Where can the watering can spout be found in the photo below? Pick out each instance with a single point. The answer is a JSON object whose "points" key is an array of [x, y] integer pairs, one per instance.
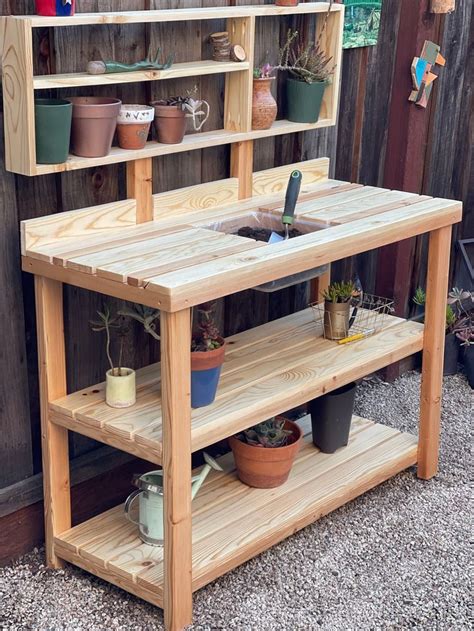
{"points": [[210, 464]]}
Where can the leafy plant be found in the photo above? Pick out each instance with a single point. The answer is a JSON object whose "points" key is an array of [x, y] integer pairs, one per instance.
{"points": [[420, 297], [264, 71], [460, 305], [108, 323], [340, 292], [207, 337], [270, 434], [147, 316]]}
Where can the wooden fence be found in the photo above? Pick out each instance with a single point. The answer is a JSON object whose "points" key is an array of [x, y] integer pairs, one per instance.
{"points": [[380, 140]]}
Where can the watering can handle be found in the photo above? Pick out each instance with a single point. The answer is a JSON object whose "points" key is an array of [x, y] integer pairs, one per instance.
{"points": [[128, 505]]}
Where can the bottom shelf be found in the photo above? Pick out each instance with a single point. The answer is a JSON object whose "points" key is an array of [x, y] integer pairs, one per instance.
{"points": [[233, 522]]}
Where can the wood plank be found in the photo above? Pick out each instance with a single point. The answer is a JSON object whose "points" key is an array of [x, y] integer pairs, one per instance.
{"points": [[329, 188], [241, 167], [140, 188], [343, 200], [275, 180], [331, 42], [238, 87]]}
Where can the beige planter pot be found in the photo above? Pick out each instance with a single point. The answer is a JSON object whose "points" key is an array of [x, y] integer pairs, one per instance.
{"points": [[336, 320], [120, 391]]}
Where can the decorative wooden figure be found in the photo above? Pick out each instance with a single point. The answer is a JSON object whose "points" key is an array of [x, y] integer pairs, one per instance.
{"points": [[421, 73]]}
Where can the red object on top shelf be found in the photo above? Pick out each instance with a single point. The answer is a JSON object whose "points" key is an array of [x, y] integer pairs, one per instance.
{"points": [[55, 7]]}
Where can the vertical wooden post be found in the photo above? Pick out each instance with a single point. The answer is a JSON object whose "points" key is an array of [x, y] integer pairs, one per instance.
{"points": [[52, 375], [241, 166], [433, 351], [176, 405], [318, 285], [140, 187]]}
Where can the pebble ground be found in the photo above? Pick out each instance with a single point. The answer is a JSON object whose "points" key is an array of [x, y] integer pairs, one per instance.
{"points": [[396, 558]]}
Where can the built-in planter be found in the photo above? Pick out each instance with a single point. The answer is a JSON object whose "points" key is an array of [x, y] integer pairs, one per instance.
{"points": [[303, 100], [264, 106], [53, 130], [205, 374], [133, 125], [266, 467], [331, 417], [55, 7], [94, 120], [170, 123], [120, 388]]}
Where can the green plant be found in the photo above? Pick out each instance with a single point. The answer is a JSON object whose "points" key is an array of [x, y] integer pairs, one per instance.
{"points": [[270, 434], [108, 323], [207, 337], [147, 316], [264, 71], [420, 297], [459, 306], [340, 292]]}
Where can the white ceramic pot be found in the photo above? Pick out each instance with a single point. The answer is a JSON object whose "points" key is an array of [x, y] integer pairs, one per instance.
{"points": [[133, 125], [120, 391], [135, 114]]}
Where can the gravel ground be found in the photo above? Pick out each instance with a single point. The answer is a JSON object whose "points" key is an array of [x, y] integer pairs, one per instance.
{"points": [[395, 558]]}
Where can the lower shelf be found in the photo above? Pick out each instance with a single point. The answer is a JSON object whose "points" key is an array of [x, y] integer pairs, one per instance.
{"points": [[233, 522]]}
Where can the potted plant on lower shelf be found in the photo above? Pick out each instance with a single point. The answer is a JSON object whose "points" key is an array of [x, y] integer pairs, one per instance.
{"points": [[331, 416], [120, 388], [337, 306], [171, 115], [207, 357], [264, 454]]}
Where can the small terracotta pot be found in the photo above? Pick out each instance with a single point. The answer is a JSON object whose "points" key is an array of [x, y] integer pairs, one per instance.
{"points": [[94, 120], [170, 123], [286, 3], [264, 467], [133, 125], [264, 106]]}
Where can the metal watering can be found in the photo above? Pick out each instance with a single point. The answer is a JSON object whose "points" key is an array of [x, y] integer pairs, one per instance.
{"points": [[150, 501]]}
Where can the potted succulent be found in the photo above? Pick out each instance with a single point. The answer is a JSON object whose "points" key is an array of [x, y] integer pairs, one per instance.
{"points": [[309, 72], [94, 120], [133, 125], [207, 357], [331, 417], [264, 106], [120, 389], [52, 130], [55, 7], [264, 454], [337, 304], [171, 115]]}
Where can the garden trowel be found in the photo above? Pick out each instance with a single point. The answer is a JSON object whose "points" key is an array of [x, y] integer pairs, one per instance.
{"points": [[291, 197]]}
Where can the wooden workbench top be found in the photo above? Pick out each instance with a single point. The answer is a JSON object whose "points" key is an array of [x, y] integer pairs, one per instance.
{"points": [[174, 263]]}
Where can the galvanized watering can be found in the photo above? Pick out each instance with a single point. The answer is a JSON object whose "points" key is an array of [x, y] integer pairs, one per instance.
{"points": [[150, 501]]}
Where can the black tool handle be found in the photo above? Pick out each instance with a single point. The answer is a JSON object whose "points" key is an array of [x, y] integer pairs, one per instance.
{"points": [[291, 197]]}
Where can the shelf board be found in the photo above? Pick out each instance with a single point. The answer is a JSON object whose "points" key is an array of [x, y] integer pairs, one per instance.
{"points": [[191, 142], [233, 522], [187, 69], [267, 370], [176, 15]]}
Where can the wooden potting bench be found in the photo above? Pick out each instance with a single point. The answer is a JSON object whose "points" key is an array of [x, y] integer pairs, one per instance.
{"points": [[162, 251]]}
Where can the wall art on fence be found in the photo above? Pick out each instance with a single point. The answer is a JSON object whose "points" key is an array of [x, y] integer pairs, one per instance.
{"points": [[361, 23], [421, 73]]}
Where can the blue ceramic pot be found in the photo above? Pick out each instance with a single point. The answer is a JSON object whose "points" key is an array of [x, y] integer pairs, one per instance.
{"points": [[205, 373]]}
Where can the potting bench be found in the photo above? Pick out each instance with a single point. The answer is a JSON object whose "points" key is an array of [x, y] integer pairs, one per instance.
{"points": [[163, 251]]}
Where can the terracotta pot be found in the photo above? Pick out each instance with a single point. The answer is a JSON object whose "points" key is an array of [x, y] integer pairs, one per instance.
{"points": [[94, 120], [265, 467], [55, 7], [205, 374], [170, 123], [286, 3], [264, 106], [133, 125]]}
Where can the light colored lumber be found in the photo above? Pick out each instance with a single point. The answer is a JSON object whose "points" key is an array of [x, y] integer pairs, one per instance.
{"points": [[442, 6], [52, 378], [193, 198], [176, 400], [276, 180], [327, 189], [186, 69], [140, 187], [238, 88], [433, 351], [331, 43], [241, 167], [319, 285], [18, 98]]}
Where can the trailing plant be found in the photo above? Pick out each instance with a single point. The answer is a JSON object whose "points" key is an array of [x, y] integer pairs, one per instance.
{"points": [[109, 323], [270, 434], [340, 292], [207, 337], [147, 316]]}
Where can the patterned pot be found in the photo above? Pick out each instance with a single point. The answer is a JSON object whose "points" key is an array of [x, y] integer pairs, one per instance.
{"points": [[133, 125], [264, 106], [55, 7]]}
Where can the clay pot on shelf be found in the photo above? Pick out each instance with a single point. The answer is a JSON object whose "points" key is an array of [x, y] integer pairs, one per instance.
{"points": [[52, 130], [120, 389], [133, 125], [264, 106], [205, 374], [55, 7], [94, 120], [331, 417], [170, 123], [303, 100], [265, 467], [286, 3]]}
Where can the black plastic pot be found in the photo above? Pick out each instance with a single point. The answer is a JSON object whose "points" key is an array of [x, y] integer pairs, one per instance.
{"points": [[468, 361], [451, 355], [331, 417]]}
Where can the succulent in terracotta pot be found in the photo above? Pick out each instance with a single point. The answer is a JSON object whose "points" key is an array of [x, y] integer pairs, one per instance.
{"points": [[171, 115], [133, 125]]}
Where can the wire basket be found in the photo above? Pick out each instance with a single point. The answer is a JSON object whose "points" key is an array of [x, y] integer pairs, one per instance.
{"points": [[349, 322]]}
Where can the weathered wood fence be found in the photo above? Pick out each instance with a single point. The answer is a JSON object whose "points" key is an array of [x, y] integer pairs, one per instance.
{"points": [[380, 140]]}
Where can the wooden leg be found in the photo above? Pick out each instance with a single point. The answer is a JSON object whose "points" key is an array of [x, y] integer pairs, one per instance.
{"points": [[140, 187], [433, 351], [52, 375], [241, 166], [318, 285], [176, 402]]}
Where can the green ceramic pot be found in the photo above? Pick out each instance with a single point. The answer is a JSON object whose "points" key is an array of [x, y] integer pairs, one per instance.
{"points": [[303, 100], [53, 130]]}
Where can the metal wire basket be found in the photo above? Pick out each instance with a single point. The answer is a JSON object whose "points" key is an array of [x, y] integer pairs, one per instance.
{"points": [[354, 321]]}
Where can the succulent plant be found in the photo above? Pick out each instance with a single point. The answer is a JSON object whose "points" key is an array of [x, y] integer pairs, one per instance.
{"points": [[340, 292], [207, 337], [270, 434]]}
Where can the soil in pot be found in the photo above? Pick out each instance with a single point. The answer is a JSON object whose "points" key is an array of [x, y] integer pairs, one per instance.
{"points": [[170, 123], [331, 417], [262, 467], [206, 369], [264, 106], [263, 234], [55, 7], [133, 125], [120, 389], [94, 120], [304, 100], [53, 130], [451, 354]]}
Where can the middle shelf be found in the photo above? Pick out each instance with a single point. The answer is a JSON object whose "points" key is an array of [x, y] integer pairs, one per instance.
{"points": [[267, 370]]}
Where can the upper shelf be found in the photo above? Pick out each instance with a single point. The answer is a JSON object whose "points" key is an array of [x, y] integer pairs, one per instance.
{"points": [[177, 15]]}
